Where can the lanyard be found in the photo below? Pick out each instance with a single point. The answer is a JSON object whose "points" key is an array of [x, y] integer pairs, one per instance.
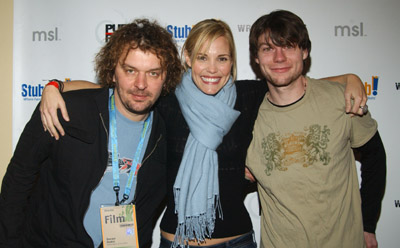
{"points": [[114, 154]]}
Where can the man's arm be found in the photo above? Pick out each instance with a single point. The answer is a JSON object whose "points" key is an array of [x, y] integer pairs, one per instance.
{"points": [[372, 157], [20, 179]]}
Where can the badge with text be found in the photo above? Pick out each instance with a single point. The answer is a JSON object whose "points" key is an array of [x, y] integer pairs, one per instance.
{"points": [[118, 225]]}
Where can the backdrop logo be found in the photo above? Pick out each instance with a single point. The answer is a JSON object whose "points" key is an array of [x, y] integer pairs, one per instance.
{"points": [[31, 92], [244, 28], [49, 35], [397, 203], [372, 89], [350, 31], [179, 33], [397, 84], [110, 29]]}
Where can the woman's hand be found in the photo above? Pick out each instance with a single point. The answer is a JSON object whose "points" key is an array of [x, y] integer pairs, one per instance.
{"points": [[355, 91], [51, 101], [248, 175]]}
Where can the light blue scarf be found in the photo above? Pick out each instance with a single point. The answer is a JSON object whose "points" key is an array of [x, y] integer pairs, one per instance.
{"points": [[196, 188]]}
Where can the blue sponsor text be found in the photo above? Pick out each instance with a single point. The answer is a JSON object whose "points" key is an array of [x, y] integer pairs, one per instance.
{"points": [[31, 90]]}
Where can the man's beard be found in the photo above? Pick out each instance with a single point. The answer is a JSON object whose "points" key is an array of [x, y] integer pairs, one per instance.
{"points": [[127, 104], [285, 83], [143, 111]]}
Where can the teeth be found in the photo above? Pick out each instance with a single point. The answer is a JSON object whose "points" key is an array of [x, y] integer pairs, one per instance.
{"points": [[210, 80]]}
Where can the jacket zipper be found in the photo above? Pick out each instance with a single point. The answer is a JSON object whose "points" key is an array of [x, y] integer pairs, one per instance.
{"points": [[105, 129], [144, 160], [91, 192]]}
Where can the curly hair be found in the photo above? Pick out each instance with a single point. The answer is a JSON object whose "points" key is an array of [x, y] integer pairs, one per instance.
{"points": [[283, 28], [209, 30], [148, 37]]}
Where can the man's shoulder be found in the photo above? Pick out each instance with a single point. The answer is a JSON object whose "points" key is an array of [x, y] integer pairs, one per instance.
{"points": [[251, 88], [325, 85], [167, 99], [86, 98], [251, 83], [84, 94], [84, 107], [87, 102], [158, 119], [168, 106]]}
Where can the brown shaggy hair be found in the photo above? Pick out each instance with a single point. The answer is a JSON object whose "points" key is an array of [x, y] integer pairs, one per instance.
{"points": [[148, 37], [283, 28]]}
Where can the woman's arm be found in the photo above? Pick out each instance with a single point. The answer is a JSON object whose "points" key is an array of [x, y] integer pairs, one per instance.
{"points": [[52, 100], [355, 91]]}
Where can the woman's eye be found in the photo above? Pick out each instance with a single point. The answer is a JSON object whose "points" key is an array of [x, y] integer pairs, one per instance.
{"points": [[223, 59], [201, 58]]}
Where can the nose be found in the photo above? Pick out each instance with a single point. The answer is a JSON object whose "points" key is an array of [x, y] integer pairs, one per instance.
{"points": [[212, 66], [141, 81], [279, 55]]}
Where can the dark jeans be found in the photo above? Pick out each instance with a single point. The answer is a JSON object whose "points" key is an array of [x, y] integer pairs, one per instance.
{"points": [[245, 241]]}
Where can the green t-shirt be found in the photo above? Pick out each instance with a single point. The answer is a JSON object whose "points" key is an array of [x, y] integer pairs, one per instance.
{"points": [[302, 158]]}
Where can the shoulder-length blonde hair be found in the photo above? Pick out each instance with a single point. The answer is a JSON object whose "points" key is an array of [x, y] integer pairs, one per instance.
{"points": [[207, 31]]}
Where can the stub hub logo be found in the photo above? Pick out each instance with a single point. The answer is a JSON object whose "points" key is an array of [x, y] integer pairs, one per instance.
{"points": [[372, 89], [31, 92], [179, 32]]}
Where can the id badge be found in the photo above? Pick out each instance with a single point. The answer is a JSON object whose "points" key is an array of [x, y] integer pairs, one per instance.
{"points": [[118, 225]]}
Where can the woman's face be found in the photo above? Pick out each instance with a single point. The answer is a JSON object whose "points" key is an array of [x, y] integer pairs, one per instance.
{"points": [[211, 69]]}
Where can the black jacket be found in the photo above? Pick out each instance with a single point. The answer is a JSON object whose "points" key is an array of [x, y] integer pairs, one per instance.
{"points": [[48, 184], [231, 159]]}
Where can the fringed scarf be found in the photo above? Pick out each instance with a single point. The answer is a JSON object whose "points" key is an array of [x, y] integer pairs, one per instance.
{"points": [[196, 188]]}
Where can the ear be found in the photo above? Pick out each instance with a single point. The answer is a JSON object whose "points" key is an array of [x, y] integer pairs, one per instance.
{"points": [[187, 59], [305, 54], [257, 60]]}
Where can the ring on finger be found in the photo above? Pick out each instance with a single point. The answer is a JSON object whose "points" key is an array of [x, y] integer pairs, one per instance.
{"points": [[364, 108]]}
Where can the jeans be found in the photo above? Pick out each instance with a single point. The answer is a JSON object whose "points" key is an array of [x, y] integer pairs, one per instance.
{"points": [[245, 241]]}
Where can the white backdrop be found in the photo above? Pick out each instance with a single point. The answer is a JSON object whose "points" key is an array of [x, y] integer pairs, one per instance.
{"points": [[58, 39]]}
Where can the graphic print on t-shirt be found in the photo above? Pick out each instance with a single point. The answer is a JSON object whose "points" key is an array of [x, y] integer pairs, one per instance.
{"points": [[281, 151]]}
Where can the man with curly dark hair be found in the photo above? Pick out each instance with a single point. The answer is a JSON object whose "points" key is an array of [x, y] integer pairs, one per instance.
{"points": [[153, 39], [111, 159]]}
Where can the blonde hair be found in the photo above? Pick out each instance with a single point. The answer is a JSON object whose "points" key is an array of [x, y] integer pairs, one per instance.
{"points": [[207, 31]]}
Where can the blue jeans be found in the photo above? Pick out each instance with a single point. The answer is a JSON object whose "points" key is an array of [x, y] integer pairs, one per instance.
{"points": [[245, 241]]}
